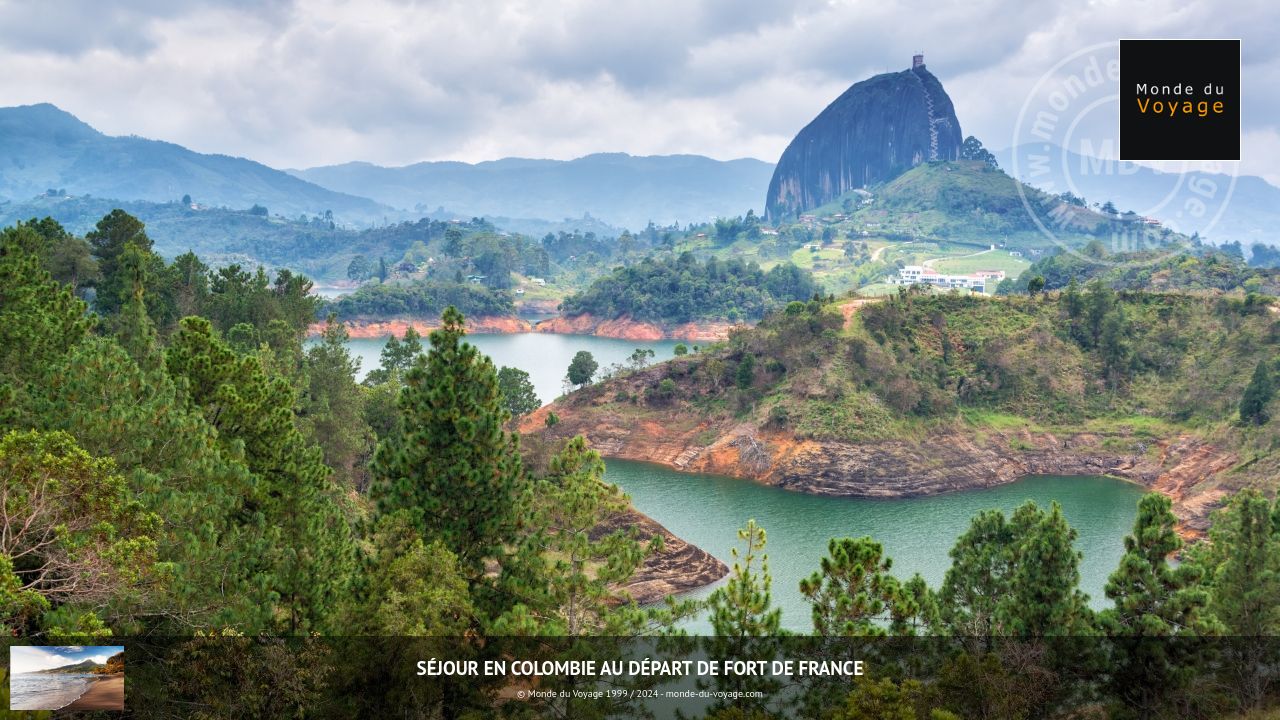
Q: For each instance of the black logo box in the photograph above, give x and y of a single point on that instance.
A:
(1180, 66)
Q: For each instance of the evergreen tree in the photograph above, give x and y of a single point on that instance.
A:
(109, 240)
(518, 395)
(452, 467)
(1153, 602)
(332, 409)
(1043, 598)
(854, 594)
(581, 566)
(398, 355)
(1257, 395)
(1153, 599)
(745, 623)
(408, 588)
(1244, 559)
(982, 564)
(210, 545)
(40, 320)
(743, 606)
(133, 326)
(1242, 566)
(294, 496)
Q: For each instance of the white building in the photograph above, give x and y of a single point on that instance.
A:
(980, 281)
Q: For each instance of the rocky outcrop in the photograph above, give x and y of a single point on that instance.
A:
(878, 129)
(947, 460)
(495, 325)
(627, 329)
(679, 567)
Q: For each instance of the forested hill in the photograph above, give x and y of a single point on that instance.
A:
(683, 289)
(923, 393)
(1198, 267)
(321, 248)
(422, 299)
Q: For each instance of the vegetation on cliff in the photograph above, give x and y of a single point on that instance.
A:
(683, 289)
(1194, 267)
(915, 358)
(421, 298)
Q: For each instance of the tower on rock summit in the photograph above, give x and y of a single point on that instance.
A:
(876, 130)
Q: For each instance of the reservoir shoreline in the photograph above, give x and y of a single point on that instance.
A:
(583, 325)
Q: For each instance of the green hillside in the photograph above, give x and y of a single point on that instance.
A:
(974, 203)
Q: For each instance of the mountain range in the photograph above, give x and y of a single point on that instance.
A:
(44, 148)
(1251, 215)
(620, 189)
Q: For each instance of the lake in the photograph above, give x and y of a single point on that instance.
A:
(544, 356)
(917, 533)
(708, 510)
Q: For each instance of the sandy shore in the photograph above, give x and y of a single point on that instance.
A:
(106, 693)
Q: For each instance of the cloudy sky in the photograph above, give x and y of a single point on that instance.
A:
(32, 659)
(298, 83)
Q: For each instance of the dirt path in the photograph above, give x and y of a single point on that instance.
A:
(929, 263)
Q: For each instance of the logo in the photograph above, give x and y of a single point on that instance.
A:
(1066, 143)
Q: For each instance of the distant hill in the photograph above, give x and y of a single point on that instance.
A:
(875, 131)
(84, 666)
(43, 147)
(221, 237)
(619, 189)
(1252, 215)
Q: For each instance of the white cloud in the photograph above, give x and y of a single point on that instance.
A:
(32, 659)
(321, 81)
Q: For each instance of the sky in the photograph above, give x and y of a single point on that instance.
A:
(301, 83)
(31, 659)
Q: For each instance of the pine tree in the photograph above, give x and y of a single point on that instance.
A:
(171, 456)
(982, 564)
(581, 566)
(743, 606)
(854, 594)
(745, 623)
(452, 467)
(1246, 575)
(1242, 566)
(1152, 603)
(1257, 395)
(40, 321)
(1151, 598)
(1043, 598)
(332, 409)
(109, 240)
(133, 326)
(311, 565)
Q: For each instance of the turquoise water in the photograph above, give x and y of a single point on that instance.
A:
(544, 356)
(708, 510)
(916, 532)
